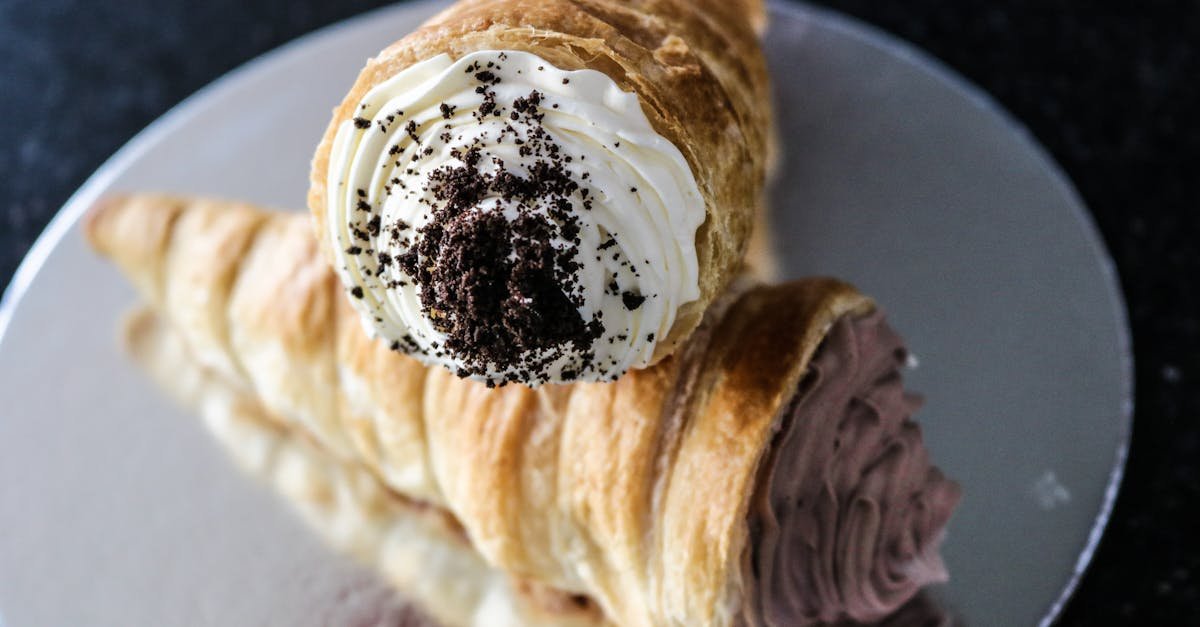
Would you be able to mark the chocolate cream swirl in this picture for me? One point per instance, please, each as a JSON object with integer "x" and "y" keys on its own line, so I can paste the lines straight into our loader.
{"x": 849, "y": 513}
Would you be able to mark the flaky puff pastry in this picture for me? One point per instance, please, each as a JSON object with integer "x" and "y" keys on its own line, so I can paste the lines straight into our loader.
{"x": 695, "y": 65}
{"x": 634, "y": 494}
{"x": 421, "y": 550}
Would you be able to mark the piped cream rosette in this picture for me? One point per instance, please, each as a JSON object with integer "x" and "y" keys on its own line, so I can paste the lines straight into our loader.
{"x": 512, "y": 221}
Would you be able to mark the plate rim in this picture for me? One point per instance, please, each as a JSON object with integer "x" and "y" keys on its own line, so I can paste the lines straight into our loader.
{"x": 846, "y": 25}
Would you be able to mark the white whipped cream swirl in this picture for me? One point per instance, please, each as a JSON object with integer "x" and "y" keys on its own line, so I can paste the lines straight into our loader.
{"x": 620, "y": 215}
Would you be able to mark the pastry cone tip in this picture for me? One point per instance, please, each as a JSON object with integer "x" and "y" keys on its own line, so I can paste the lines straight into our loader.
{"x": 96, "y": 218}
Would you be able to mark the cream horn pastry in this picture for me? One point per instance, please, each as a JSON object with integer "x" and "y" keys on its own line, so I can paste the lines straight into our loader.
{"x": 545, "y": 191}
{"x": 767, "y": 473}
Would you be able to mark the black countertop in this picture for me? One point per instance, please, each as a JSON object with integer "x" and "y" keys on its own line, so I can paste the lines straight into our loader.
{"x": 1111, "y": 89}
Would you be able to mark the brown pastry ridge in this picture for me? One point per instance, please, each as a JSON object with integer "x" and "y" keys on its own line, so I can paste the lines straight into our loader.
{"x": 695, "y": 65}
{"x": 634, "y": 494}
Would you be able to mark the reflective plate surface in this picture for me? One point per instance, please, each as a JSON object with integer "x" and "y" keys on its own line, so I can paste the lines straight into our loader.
{"x": 117, "y": 509}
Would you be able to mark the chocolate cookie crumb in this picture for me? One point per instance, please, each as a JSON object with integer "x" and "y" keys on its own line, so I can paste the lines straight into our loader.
{"x": 496, "y": 285}
{"x": 632, "y": 300}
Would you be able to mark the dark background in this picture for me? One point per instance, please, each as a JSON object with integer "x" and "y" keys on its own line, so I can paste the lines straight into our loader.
{"x": 1112, "y": 89}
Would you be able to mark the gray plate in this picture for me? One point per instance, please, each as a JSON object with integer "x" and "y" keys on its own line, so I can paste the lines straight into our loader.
{"x": 117, "y": 509}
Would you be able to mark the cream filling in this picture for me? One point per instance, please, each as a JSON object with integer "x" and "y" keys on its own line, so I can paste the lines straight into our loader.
{"x": 638, "y": 188}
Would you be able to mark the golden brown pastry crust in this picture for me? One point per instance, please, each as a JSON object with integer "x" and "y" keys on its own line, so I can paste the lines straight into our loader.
{"x": 695, "y": 65}
{"x": 422, "y": 550}
{"x": 633, "y": 493}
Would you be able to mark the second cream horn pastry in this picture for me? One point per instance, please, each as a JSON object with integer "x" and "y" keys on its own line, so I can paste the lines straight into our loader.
{"x": 765, "y": 474}
{"x": 551, "y": 190}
